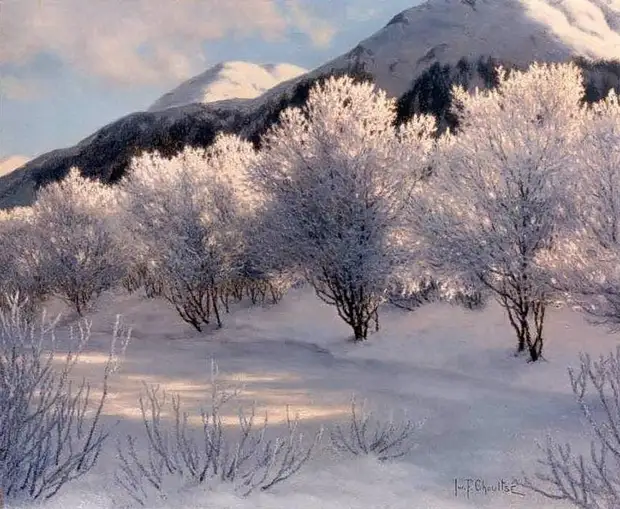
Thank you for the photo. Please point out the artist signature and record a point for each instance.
(470, 486)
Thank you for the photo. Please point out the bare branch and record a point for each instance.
(247, 458)
(368, 436)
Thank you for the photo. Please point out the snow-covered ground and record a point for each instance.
(453, 368)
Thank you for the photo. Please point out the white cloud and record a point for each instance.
(19, 89)
(143, 41)
(320, 31)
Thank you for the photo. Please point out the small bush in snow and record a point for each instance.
(366, 435)
(46, 438)
(141, 275)
(594, 482)
(247, 459)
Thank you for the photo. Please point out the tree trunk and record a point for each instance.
(535, 347)
(215, 307)
(528, 323)
(359, 332)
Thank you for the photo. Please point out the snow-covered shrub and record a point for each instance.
(47, 438)
(22, 272)
(367, 435)
(501, 193)
(244, 456)
(80, 254)
(257, 285)
(143, 275)
(335, 176)
(594, 482)
(186, 214)
(422, 291)
(261, 273)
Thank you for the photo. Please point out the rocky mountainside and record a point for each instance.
(416, 57)
(228, 80)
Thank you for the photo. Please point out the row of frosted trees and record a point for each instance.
(520, 204)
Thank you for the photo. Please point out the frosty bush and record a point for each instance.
(46, 437)
(20, 258)
(502, 192)
(80, 255)
(594, 482)
(186, 214)
(422, 291)
(244, 457)
(260, 273)
(143, 275)
(366, 435)
(335, 176)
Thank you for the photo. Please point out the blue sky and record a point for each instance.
(68, 67)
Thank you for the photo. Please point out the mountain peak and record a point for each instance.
(519, 31)
(228, 80)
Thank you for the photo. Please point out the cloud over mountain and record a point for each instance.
(144, 41)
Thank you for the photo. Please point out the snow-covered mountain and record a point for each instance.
(518, 31)
(405, 51)
(228, 80)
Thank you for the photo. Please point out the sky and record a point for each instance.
(68, 67)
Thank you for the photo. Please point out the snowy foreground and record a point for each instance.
(453, 368)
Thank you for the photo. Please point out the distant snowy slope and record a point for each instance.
(8, 164)
(518, 31)
(228, 80)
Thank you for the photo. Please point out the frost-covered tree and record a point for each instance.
(335, 175)
(186, 215)
(80, 255)
(588, 264)
(501, 192)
